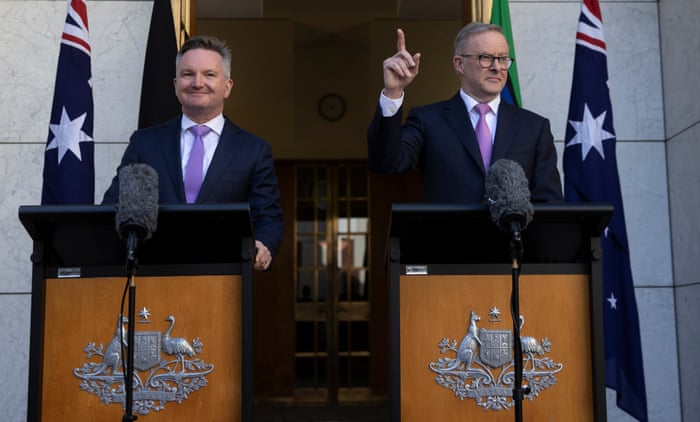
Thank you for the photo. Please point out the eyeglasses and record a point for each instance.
(486, 60)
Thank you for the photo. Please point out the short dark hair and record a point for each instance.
(207, 42)
(471, 29)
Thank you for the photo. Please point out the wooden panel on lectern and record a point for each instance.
(83, 310)
(436, 307)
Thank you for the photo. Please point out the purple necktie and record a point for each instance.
(195, 165)
(483, 134)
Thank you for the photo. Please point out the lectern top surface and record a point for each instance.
(447, 233)
(85, 235)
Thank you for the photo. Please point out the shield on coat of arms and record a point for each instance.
(496, 347)
(146, 349)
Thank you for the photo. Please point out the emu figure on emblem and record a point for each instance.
(176, 346)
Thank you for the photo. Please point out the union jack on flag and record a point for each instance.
(591, 175)
(69, 168)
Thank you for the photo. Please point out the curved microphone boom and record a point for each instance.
(137, 209)
(509, 196)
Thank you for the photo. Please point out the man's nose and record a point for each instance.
(496, 65)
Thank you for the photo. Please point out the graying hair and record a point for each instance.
(471, 29)
(207, 42)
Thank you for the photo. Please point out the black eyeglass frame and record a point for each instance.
(504, 61)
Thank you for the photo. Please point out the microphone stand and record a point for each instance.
(131, 264)
(516, 255)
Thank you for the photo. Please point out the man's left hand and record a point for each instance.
(263, 257)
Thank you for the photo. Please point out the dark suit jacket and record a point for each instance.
(439, 140)
(242, 170)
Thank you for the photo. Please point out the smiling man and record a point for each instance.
(203, 157)
(454, 142)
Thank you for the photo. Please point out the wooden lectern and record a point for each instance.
(197, 269)
(451, 325)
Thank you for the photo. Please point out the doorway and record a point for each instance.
(321, 313)
(331, 278)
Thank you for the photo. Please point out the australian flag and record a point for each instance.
(69, 166)
(590, 175)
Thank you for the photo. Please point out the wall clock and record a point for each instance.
(331, 107)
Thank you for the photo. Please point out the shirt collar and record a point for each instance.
(216, 124)
(470, 102)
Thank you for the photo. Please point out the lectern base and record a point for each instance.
(81, 314)
(555, 307)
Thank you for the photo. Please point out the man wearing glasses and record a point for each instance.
(454, 142)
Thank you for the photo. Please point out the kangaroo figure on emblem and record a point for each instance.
(469, 346)
(113, 352)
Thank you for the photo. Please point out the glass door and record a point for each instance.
(332, 310)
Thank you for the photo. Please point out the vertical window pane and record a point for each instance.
(305, 336)
(322, 285)
(359, 336)
(321, 183)
(306, 251)
(359, 209)
(321, 215)
(305, 217)
(353, 371)
(305, 286)
(342, 182)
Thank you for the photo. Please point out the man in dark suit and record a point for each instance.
(232, 165)
(440, 139)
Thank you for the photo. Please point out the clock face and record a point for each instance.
(331, 107)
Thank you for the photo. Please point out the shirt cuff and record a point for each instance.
(388, 105)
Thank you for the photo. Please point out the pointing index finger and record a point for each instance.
(400, 40)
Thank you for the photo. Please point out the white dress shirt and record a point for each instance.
(211, 140)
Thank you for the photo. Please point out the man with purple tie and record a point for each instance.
(203, 157)
(453, 142)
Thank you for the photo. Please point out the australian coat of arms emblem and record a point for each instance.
(483, 367)
(165, 367)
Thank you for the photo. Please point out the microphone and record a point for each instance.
(509, 196)
(137, 209)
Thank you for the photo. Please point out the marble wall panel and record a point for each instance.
(30, 45)
(684, 193)
(544, 54)
(642, 168)
(14, 362)
(680, 54)
(20, 169)
(687, 317)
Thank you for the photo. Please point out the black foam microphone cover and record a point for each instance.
(137, 209)
(509, 195)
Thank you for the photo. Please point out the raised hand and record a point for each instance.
(399, 69)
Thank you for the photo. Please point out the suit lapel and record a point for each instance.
(170, 136)
(225, 152)
(458, 118)
(505, 135)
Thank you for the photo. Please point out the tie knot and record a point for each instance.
(482, 108)
(199, 130)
